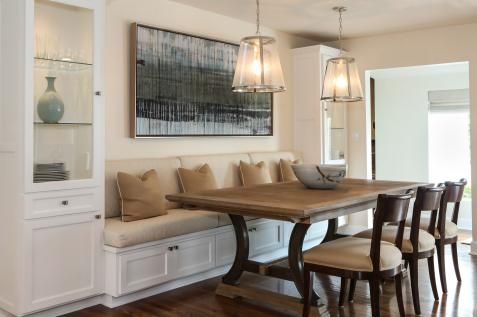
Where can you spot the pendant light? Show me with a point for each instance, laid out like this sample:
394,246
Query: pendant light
258,66
341,82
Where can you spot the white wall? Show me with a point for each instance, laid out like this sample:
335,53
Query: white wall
178,17
423,47
402,115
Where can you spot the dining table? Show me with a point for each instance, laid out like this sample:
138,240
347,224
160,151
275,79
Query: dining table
292,202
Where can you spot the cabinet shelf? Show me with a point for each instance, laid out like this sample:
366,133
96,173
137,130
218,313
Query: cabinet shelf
61,65
50,60
63,124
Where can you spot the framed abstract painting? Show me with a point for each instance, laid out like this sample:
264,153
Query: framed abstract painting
181,86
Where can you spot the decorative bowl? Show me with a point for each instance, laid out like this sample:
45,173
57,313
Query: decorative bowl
319,176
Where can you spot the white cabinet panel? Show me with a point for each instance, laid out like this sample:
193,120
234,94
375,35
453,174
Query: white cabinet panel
142,269
193,256
265,236
315,232
225,248
62,259
56,203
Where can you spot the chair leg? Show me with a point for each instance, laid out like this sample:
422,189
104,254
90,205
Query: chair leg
352,288
398,283
441,261
344,286
307,292
374,291
413,268
432,277
456,261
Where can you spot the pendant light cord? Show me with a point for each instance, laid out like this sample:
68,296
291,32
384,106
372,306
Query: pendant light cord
340,30
258,17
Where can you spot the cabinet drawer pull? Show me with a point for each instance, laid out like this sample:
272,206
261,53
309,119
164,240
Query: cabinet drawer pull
254,229
250,230
65,202
170,248
98,93
97,216
176,247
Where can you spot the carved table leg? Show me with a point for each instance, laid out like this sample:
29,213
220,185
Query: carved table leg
331,231
295,258
241,254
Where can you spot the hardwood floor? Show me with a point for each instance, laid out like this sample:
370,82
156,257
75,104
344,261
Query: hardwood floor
200,299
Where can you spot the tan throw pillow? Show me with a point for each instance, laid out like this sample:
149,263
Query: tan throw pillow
196,181
286,170
140,197
254,174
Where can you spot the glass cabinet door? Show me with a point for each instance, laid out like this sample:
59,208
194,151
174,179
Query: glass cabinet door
334,134
63,92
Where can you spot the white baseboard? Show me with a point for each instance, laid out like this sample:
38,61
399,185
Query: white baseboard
112,302
64,309
473,248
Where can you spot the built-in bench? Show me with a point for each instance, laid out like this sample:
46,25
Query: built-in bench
157,254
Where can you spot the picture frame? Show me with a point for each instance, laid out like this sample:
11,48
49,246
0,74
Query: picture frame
181,87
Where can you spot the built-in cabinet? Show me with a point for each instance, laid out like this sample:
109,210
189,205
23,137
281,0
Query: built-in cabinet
320,127
154,264
52,117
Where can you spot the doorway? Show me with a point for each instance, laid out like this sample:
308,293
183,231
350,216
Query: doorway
420,123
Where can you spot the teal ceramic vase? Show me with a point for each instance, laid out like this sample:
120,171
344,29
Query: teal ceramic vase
50,106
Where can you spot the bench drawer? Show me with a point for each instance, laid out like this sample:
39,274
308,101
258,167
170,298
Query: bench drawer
144,268
265,236
40,205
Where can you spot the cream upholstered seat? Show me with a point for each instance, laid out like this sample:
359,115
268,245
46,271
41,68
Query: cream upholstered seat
352,254
177,222
451,229
426,240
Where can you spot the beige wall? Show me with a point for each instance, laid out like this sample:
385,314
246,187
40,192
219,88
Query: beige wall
178,17
430,46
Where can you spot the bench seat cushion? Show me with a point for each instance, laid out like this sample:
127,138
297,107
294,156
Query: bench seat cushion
177,222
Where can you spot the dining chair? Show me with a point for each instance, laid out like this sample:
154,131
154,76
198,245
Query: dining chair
417,243
363,259
446,230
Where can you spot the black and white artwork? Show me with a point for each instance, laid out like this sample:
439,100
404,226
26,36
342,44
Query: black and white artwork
183,88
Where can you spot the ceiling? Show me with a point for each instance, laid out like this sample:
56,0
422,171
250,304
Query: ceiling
315,19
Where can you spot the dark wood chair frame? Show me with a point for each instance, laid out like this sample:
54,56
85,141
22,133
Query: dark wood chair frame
427,199
454,192
390,208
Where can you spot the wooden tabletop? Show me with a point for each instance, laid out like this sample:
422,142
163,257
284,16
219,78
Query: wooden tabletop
292,201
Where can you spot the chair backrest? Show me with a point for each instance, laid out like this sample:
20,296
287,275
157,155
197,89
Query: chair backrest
390,208
427,199
454,191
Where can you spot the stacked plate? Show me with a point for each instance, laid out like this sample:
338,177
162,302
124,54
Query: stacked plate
50,172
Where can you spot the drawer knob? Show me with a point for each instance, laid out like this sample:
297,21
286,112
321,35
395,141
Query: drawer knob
170,248
176,247
65,203
98,93
97,216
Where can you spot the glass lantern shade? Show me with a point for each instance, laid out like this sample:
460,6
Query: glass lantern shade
258,66
341,82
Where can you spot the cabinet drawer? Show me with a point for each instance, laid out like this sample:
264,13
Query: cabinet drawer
265,236
40,205
225,248
143,269
193,256
315,232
